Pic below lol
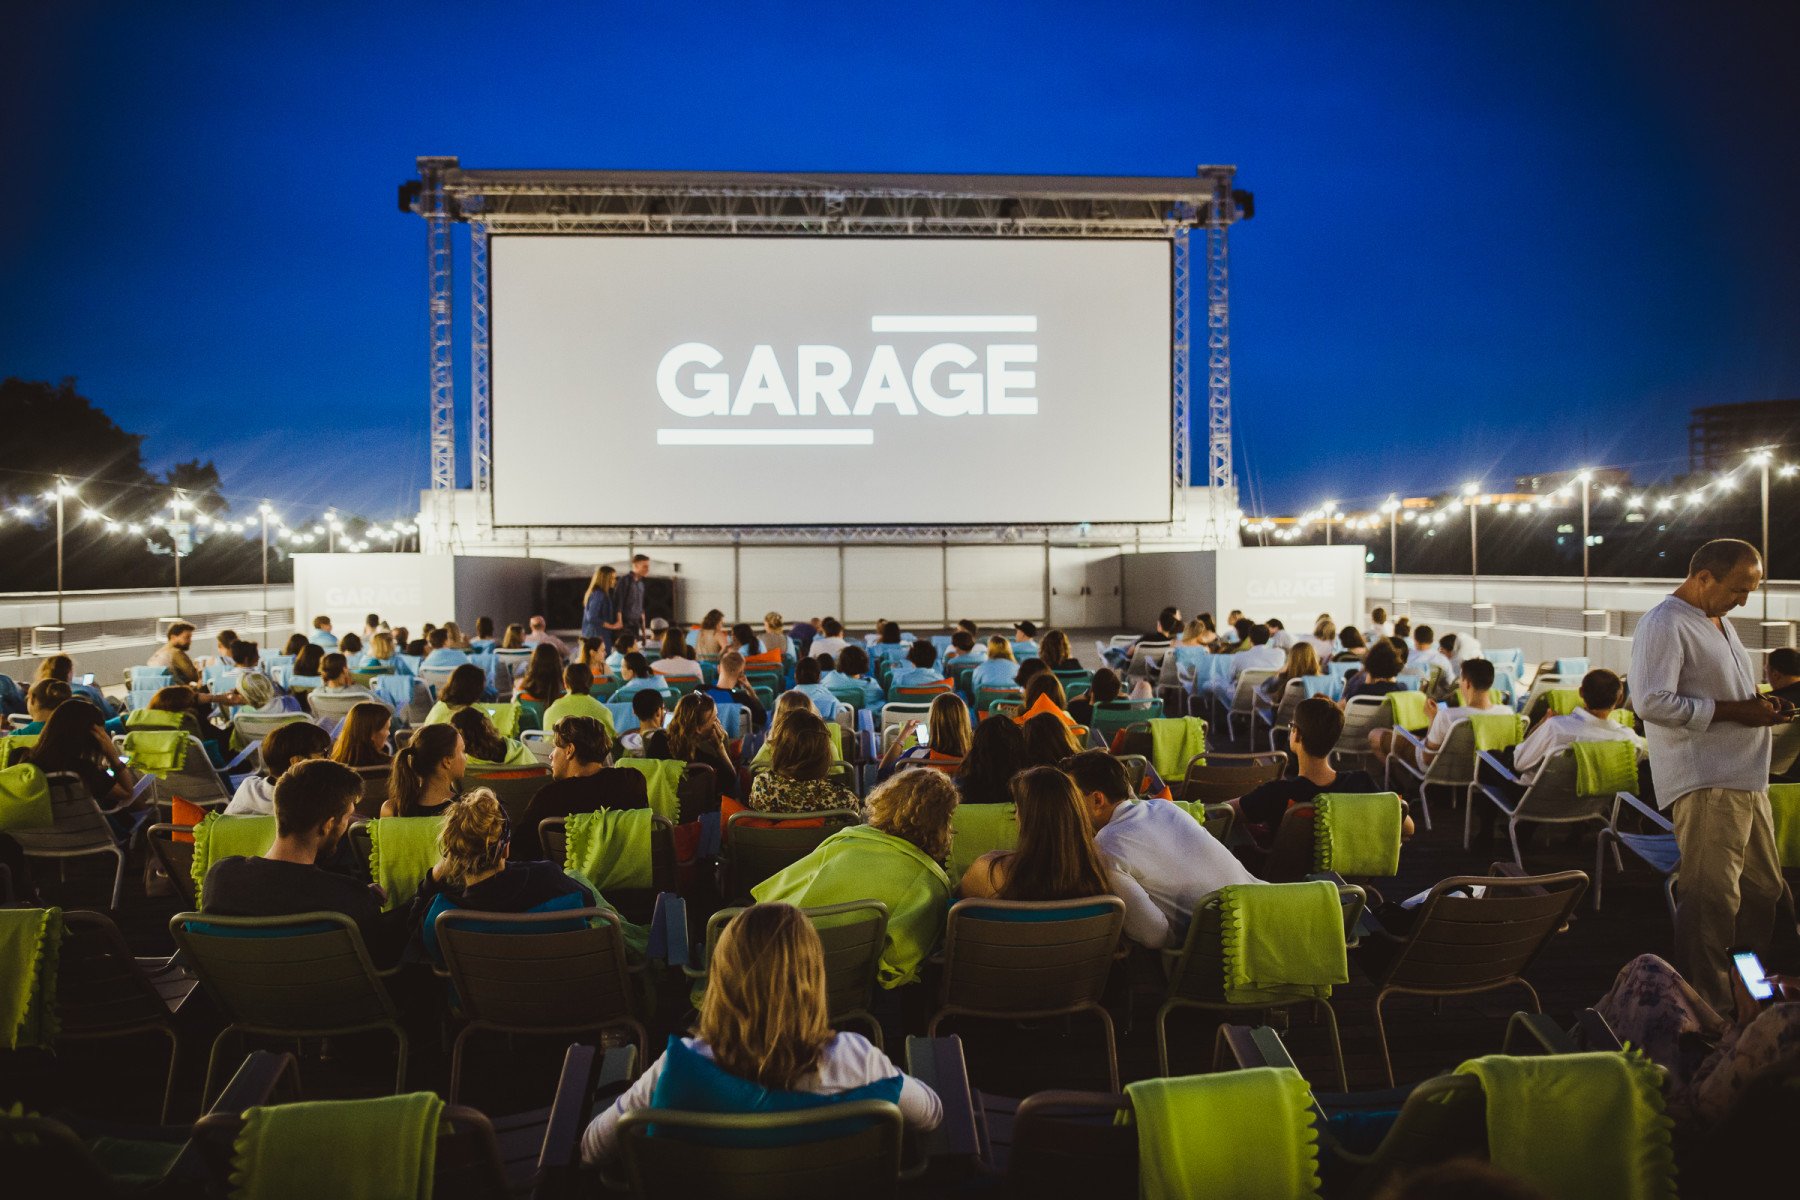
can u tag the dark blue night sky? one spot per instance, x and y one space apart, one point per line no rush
1489 239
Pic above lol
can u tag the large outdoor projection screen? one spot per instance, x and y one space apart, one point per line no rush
744 381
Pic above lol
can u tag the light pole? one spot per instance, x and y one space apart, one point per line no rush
1470 491
1587 483
331 531
61 490
179 503
1327 508
1392 507
1761 459
263 510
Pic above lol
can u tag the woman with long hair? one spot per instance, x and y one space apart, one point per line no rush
1352 647
996 753
676 658
466 685
999 669
764 1022
710 639
486 747
362 739
774 634
1055 859
75 740
542 681
599 606
943 736
308 663
1302 660
513 638
798 778
1047 740
334 671
453 637
61 667
1200 631
695 736
426 773
295 643
1044 696
592 655
1055 652
1103 687
380 654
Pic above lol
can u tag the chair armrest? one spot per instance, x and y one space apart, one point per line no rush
1595 1033
1661 822
1260 1046
938 1063
1499 768
243 755
1539 1031
1417 741
558 1155
205 1158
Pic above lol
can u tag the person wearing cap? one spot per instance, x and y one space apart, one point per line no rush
1025 640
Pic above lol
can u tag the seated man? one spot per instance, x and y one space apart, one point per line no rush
1317 724
442 654
540 635
807 679
732 689
172 656
964 652
1474 686
583 779
1025 643
921 669
1259 656
648 740
322 637
1425 655
1163 863
1279 637
830 641
1783 672
1592 722
1168 627
853 672
314 801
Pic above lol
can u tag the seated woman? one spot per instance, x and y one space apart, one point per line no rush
583 779
1000 668
774 635
281 749
513 638
351 647
1055 859
486 748
476 871
483 640
996 753
677 659
852 671
800 762
943 736
75 740
44 698
427 772
296 642
1199 632
1044 694
466 685
1055 652
1351 646
334 670
380 656
362 740
709 640
260 697
1104 687
1378 677
639 677
896 858
763 1028
542 681
592 655
1710 1058
1047 740
695 736
745 642
309 663
62 668
1302 660
577 699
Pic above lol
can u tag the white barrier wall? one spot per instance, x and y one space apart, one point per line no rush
1292 583
411 589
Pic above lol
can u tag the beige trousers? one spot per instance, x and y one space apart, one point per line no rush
1730 884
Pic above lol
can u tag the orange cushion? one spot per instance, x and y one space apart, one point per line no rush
183 812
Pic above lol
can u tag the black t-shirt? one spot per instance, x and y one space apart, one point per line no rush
265 887
521 887
1373 687
1265 804
614 787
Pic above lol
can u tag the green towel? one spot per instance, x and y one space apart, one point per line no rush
219 836
15 744
662 776
30 948
1358 834
1602 768
1197 810
518 754
571 705
1409 710
380 1149
1497 730
610 849
1784 807
1237 1135
25 799
402 851
1563 701
863 863
976 829
1579 1125
154 718
1623 716
158 752
504 716
1175 742
1281 941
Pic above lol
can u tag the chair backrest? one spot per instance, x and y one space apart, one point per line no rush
1199 972
197 781
1460 943
79 825
1074 1144
172 846
1293 851
1786 749
1224 777
375 782
1455 761
1110 716
1243 700
337 707
254 727
1361 714
1025 960
563 971
554 838
899 713
758 845
1291 696
301 974
863 1160
1551 794
99 985
513 787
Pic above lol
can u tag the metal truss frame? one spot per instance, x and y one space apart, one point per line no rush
624 202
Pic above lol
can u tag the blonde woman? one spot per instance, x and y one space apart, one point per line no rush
513 638
1200 631
1302 660
1000 668
475 871
775 638
943 737
800 762
380 654
764 1022
896 858
453 637
599 607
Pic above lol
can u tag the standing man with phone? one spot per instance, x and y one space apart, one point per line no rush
631 594
1695 687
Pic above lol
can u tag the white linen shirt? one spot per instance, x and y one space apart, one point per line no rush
1556 734
1682 665
1164 865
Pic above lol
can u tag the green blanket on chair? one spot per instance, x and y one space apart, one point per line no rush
1784 807
402 851
1237 1135
662 778
1281 941
504 716
1358 834
976 829
1563 701
1175 742
1602 768
154 718
30 948
1496 730
610 849
219 836
158 752
1410 710
1579 1125
25 799
380 1149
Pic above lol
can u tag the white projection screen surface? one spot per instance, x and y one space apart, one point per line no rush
757 381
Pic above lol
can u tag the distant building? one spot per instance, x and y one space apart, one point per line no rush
1720 435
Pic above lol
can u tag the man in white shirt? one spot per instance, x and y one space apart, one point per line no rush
830 640
1592 722
1260 656
1475 689
1695 689
1379 626
322 636
1279 637
540 635
1162 862
1425 654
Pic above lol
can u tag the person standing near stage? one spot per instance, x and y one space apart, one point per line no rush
599 613
1695 688
631 595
